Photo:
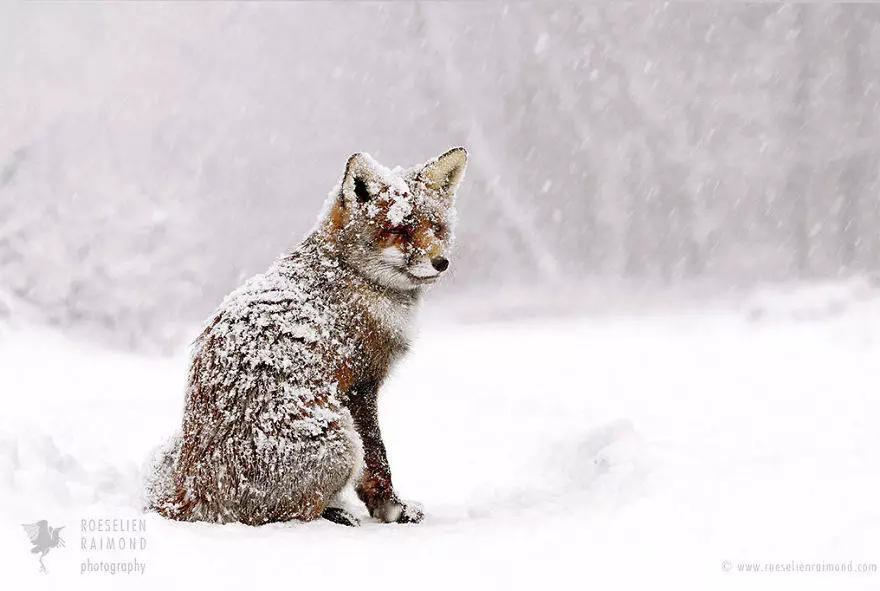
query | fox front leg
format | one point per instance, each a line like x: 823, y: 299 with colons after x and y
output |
x: 375, y: 488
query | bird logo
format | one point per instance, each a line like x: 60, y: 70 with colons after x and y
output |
x: 44, y: 538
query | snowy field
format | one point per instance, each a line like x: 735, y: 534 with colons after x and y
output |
x: 622, y: 452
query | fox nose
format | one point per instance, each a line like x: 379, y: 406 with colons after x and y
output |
x: 440, y: 263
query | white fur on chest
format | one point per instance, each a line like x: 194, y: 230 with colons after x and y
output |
x: 395, y: 316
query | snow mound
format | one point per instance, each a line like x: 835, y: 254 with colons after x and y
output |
x: 34, y: 468
x: 809, y: 302
x: 610, y: 458
x: 606, y: 465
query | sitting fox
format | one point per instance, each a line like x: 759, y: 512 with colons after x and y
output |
x: 281, y: 402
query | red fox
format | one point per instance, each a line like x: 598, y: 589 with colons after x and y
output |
x: 281, y: 402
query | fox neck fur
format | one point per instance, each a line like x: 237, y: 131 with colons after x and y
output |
x: 378, y: 320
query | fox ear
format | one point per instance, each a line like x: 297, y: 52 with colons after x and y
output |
x: 354, y: 181
x: 445, y: 173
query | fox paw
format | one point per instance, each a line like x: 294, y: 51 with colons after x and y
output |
x: 340, y: 516
x: 393, y: 511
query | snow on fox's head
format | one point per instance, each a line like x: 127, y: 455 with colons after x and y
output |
x: 395, y: 226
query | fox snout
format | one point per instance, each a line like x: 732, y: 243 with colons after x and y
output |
x: 440, y: 263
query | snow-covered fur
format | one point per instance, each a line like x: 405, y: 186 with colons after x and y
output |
x: 281, y: 400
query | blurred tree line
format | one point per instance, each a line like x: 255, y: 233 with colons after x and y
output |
x: 152, y: 156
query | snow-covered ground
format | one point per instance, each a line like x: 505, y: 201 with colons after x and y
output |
x: 623, y: 452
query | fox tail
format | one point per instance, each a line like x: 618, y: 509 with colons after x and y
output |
x: 158, y: 489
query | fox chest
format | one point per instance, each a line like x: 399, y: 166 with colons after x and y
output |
x: 380, y: 337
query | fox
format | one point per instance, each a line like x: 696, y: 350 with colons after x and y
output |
x: 281, y: 403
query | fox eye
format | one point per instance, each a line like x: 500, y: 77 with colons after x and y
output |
x: 439, y: 230
x: 398, y: 231
x: 360, y: 190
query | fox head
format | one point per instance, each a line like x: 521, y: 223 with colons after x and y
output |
x: 395, y: 226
